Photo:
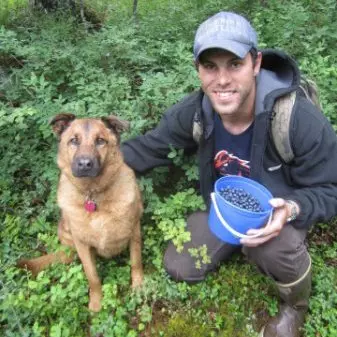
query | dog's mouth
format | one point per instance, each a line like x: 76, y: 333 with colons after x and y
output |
x: 85, y: 167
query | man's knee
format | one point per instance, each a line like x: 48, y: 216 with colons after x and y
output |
x: 284, y: 258
x: 182, y: 266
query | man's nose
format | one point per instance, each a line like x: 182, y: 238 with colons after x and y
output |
x: 223, y: 77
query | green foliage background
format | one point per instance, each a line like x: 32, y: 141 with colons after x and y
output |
x: 136, y: 68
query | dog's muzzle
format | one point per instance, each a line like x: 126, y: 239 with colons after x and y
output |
x: 85, y: 167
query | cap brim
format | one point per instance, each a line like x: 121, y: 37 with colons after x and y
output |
x: 237, y: 48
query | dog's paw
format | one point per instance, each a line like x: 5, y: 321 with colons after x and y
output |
x: 95, y: 302
x: 137, y: 281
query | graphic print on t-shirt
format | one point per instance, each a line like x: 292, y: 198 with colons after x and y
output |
x: 231, y: 152
x: 226, y: 163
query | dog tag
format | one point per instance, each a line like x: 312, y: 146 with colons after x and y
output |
x: 90, y: 206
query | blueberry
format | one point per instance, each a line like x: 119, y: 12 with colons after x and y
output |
x: 240, y: 198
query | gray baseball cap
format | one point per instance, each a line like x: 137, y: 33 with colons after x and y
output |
x: 225, y: 30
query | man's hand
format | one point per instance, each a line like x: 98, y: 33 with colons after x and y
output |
x: 281, y: 212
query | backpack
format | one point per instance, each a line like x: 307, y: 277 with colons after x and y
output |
x: 281, y: 117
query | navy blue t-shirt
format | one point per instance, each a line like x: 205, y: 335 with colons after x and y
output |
x: 232, y: 152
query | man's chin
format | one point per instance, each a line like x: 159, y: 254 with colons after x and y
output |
x: 225, y: 111
x: 225, y: 108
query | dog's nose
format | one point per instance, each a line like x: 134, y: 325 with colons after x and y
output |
x: 84, y: 164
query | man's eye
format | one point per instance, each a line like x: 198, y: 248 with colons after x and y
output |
x: 100, y: 141
x: 209, y: 66
x: 236, y: 65
x: 74, y: 141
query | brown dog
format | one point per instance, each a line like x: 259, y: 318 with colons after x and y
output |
x: 99, y: 199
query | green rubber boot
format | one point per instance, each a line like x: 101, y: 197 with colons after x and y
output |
x: 290, y: 318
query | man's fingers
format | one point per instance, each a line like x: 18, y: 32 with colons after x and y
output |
x: 255, y: 232
x: 254, y: 242
x: 265, y: 231
x: 277, y: 202
x: 259, y: 236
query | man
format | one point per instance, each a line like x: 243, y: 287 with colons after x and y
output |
x: 239, y: 86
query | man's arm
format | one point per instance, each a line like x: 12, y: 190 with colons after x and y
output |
x: 174, y: 130
x: 314, y: 171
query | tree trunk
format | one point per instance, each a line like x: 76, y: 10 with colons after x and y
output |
x: 134, y: 11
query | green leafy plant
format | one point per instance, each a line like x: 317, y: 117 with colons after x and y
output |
x: 49, y: 63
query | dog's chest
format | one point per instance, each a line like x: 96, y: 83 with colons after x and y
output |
x: 109, y: 236
x: 105, y: 233
x: 109, y: 225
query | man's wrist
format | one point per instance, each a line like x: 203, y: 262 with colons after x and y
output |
x: 293, y: 210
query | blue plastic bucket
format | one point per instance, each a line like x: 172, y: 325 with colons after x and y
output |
x: 231, y: 223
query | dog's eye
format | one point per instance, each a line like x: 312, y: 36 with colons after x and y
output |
x: 74, y: 141
x: 100, y: 141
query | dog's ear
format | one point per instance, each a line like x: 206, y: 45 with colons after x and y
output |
x: 60, y: 122
x: 115, y: 124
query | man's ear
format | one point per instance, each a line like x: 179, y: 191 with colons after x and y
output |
x: 60, y: 122
x: 115, y: 124
x: 257, y: 64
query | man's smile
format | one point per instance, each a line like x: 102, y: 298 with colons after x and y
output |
x: 225, y: 96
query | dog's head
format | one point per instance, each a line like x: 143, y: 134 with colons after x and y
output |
x: 86, y: 145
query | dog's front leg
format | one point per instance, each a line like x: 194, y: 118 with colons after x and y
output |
x: 87, y: 257
x: 136, y: 258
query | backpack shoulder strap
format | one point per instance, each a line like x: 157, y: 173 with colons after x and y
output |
x: 280, y: 124
x: 197, y: 128
x: 310, y: 90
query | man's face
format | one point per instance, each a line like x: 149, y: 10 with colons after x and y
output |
x: 229, y: 81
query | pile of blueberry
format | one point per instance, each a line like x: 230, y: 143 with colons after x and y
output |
x: 240, y: 198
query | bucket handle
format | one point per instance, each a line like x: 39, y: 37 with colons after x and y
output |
x: 228, y: 227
